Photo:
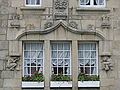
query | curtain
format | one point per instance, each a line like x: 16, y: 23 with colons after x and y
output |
x: 84, y: 2
x: 99, y: 2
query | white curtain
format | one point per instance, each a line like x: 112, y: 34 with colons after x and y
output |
x: 84, y: 2
x: 86, y: 54
x: 33, y: 54
x: 99, y: 2
x: 61, y: 55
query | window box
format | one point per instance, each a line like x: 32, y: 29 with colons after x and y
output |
x: 88, y: 83
x: 32, y: 84
x: 60, y: 84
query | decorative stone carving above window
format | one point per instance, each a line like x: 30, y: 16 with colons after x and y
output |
x: 107, y: 64
x: 48, y: 25
x: 60, y: 10
x: 105, y: 22
x: 91, y: 27
x: 12, y: 63
x: 15, y: 24
x: 73, y: 24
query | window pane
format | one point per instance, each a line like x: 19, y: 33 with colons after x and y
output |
x: 54, y: 62
x: 98, y: 2
x: 66, y: 54
x: 37, y: 2
x: 85, y: 2
x: 80, y: 54
x: 60, y: 54
x: 60, y: 62
x: 66, y: 62
x: 87, y: 62
x: 87, y: 70
x: 27, y: 2
x: 32, y: 2
x: 27, y: 54
x: 54, y: 46
x: 27, y: 62
x: 54, y: 54
x: 40, y: 62
x: 66, y: 46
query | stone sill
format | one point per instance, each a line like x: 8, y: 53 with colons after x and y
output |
x: 33, y: 8
x: 32, y: 84
x: 88, y: 83
x: 62, y: 84
x: 94, y: 9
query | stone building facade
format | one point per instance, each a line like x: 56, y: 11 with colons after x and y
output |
x: 47, y: 24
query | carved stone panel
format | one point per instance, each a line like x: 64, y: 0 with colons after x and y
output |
x: 60, y: 9
x: 12, y: 63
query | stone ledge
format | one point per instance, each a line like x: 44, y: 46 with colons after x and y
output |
x: 94, y: 9
x: 32, y: 8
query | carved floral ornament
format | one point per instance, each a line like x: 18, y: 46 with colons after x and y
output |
x: 12, y: 63
x: 73, y: 24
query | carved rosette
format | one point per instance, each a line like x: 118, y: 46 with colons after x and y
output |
x: 12, y: 63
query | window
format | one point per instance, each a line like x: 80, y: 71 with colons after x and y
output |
x: 92, y: 3
x: 61, y: 58
x: 88, y: 58
x: 32, y: 2
x: 33, y: 58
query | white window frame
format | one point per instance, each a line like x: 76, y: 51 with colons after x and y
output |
x: 30, y: 61
x: 57, y: 58
x: 90, y: 58
x: 31, y: 5
x: 92, y: 5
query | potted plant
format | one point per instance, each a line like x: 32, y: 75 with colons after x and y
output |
x: 35, y: 80
x: 60, y: 80
x: 88, y: 80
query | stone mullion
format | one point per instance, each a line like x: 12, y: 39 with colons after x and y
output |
x: 47, y: 65
x: 74, y: 65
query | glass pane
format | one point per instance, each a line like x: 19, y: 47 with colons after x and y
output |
x: 67, y: 62
x: 60, y: 54
x: 54, y: 70
x: 60, y: 46
x: 93, y: 70
x: 26, y: 70
x: 39, y: 54
x: 33, y: 62
x: 87, y: 46
x: 27, y: 2
x: 66, y: 46
x: 87, y: 54
x: 26, y: 54
x: 60, y: 62
x: 37, y: 2
x: 26, y: 46
x: 33, y: 46
x: 87, y: 62
x: 80, y: 54
x: 33, y: 54
x: 66, y: 70
x: 87, y: 70
x: 27, y: 62
x: 93, y: 46
x: 54, y: 46
x: 54, y: 54
x: 93, y: 54
x: 81, y: 62
x: 60, y: 70
x: 39, y: 62
x: 66, y: 54
x: 40, y: 69
x: 32, y: 2
x: 93, y: 62
x: 54, y: 62
x: 80, y: 47
x: 33, y: 69
x: 39, y: 46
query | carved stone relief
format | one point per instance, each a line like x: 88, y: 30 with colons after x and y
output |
x: 12, y: 63
x: 90, y: 27
x: 107, y: 63
x: 60, y: 9
x: 105, y: 22
x: 73, y: 24
x: 48, y: 25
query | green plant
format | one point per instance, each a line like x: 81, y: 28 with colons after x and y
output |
x: 36, y: 76
x: 60, y: 77
x: 83, y: 77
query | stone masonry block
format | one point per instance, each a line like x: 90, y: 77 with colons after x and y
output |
x: 7, y: 74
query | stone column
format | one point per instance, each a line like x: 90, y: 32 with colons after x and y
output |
x: 47, y: 65
x: 74, y: 65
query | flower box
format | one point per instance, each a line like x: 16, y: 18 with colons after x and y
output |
x: 61, y: 84
x: 88, y: 83
x: 32, y: 84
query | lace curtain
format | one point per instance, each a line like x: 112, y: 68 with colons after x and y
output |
x: 84, y: 2
x: 99, y: 2
x: 87, y: 56
x: 33, y: 57
x: 32, y: 2
x: 61, y: 56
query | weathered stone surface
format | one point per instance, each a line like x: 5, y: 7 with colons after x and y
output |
x: 7, y: 74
